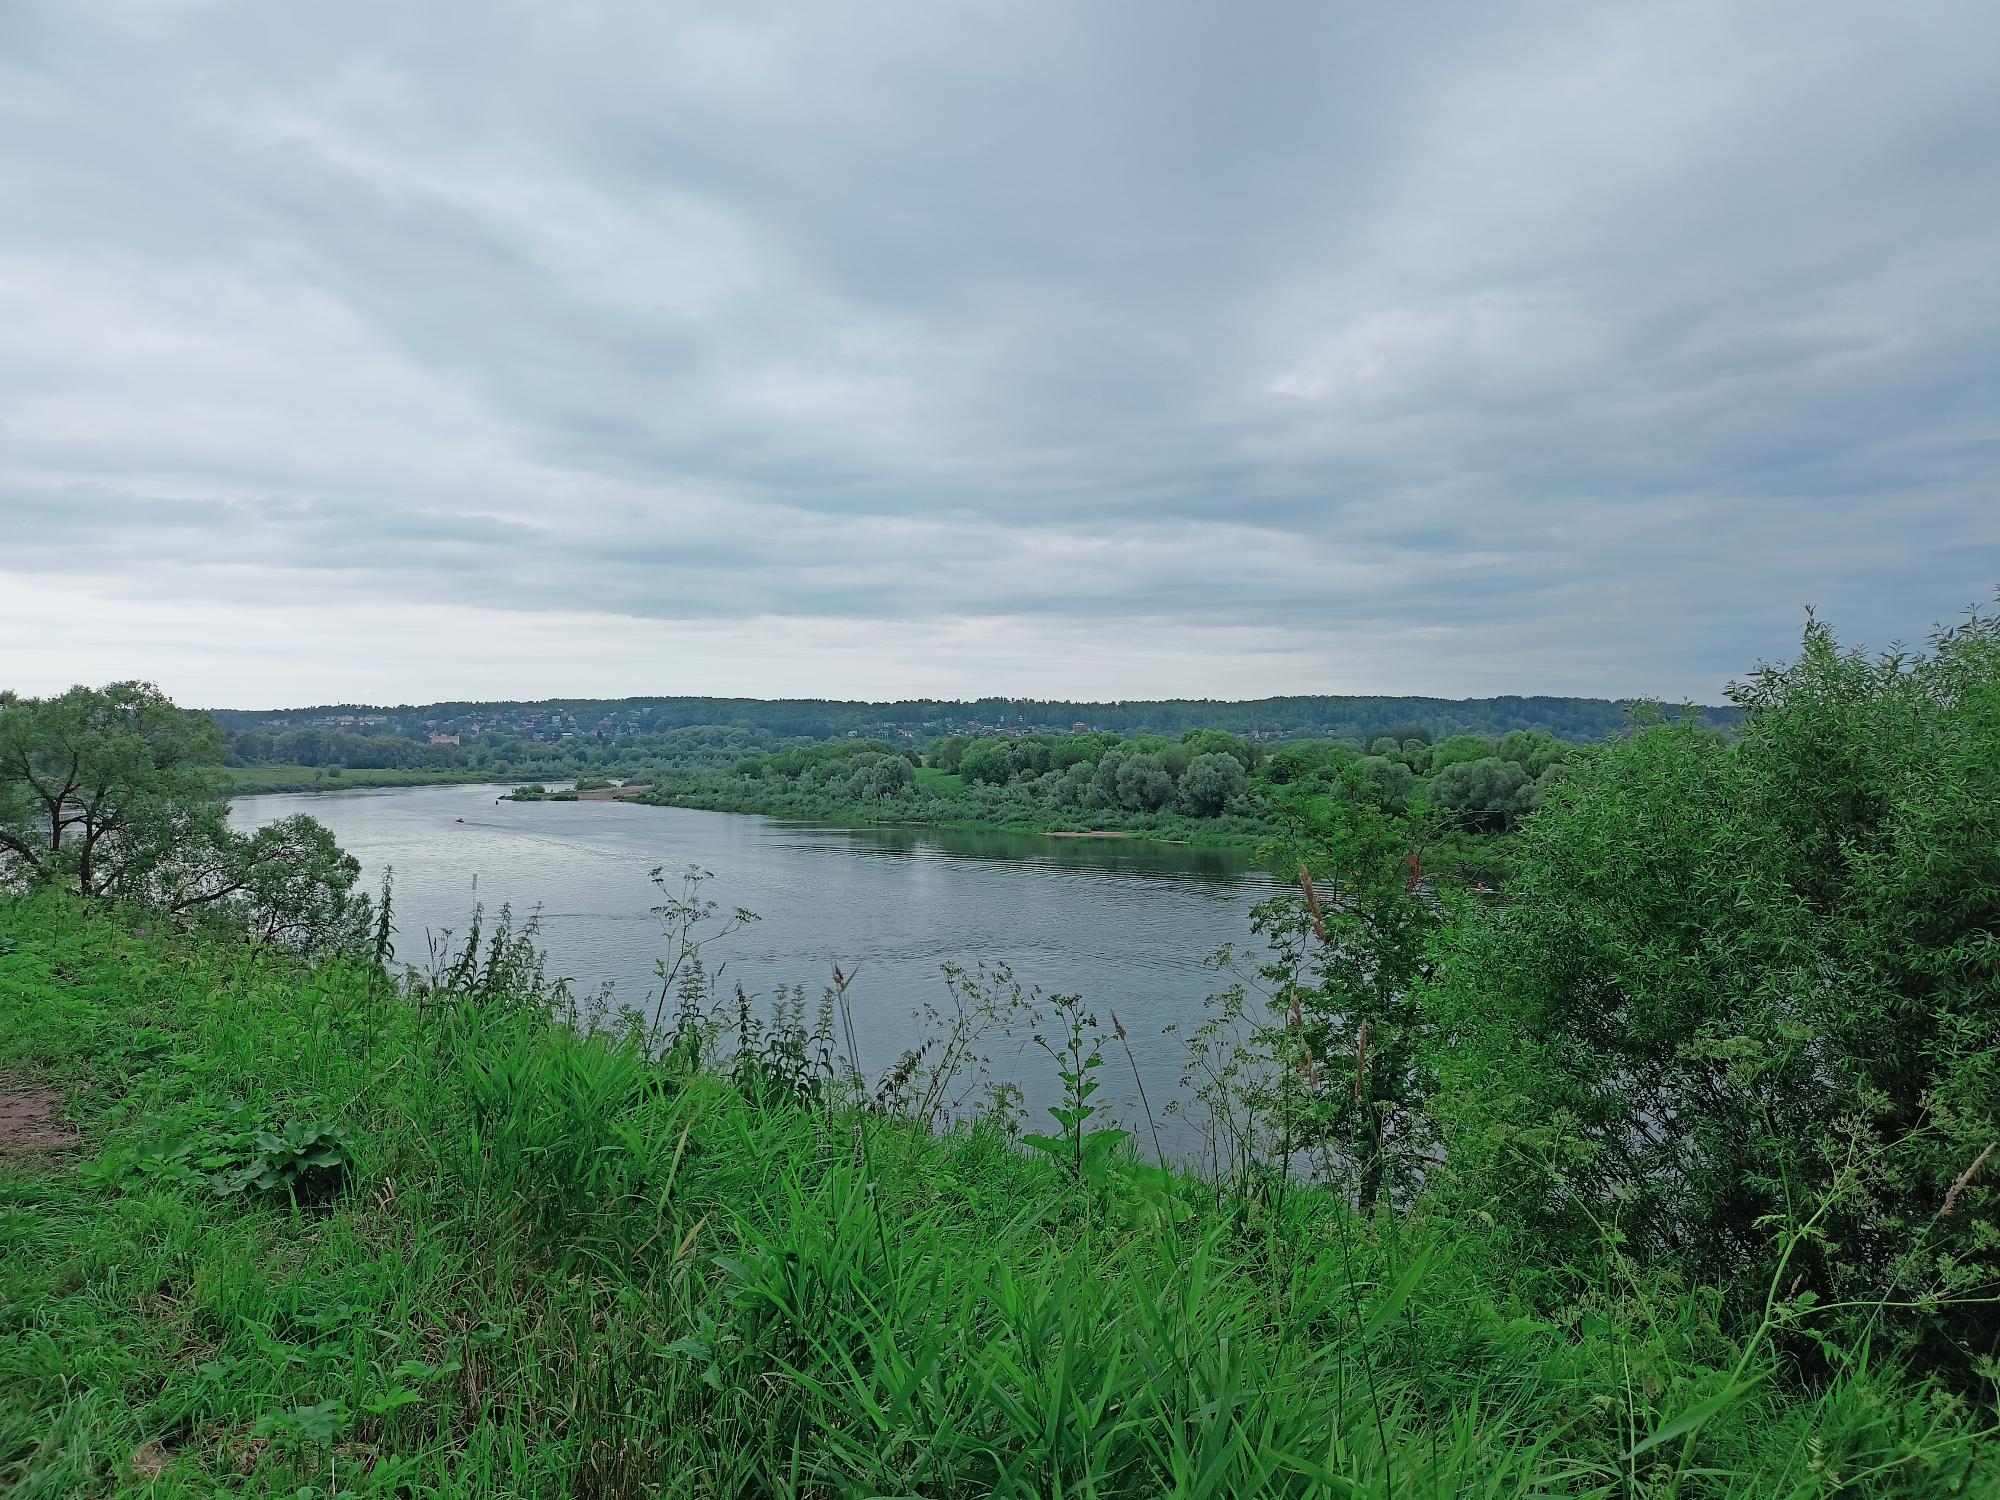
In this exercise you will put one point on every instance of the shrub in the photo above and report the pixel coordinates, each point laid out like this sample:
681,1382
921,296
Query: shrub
1736,985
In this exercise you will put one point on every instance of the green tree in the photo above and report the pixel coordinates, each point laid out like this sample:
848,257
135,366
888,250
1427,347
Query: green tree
1103,790
878,776
1087,747
1351,948
1143,783
1215,742
1736,986
1068,788
1488,795
987,761
288,882
1460,747
1387,783
1029,757
1298,761
1533,751
1210,783
947,753
113,793
94,784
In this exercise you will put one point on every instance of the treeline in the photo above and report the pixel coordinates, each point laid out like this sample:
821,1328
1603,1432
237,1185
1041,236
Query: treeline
332,747
690,737
1324,716
1144,783
681,751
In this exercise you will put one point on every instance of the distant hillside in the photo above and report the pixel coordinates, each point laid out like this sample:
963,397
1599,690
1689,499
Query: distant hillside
1331,717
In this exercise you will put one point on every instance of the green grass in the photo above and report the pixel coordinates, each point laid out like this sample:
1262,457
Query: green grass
554,1266
938,780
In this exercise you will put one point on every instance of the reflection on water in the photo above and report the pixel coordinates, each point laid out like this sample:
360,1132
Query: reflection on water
1058,853
1125,923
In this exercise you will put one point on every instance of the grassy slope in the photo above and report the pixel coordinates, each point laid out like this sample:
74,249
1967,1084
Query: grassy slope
562,1270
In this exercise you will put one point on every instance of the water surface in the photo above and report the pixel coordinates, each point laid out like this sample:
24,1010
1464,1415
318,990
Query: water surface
1125,923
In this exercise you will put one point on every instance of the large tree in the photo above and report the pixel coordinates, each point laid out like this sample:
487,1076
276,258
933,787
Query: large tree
1487,794
1210,783
97,785
115,793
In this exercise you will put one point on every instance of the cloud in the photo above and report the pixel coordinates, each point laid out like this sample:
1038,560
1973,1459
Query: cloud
979,347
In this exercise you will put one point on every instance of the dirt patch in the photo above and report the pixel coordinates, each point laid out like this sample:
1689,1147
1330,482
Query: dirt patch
31,1123
612,793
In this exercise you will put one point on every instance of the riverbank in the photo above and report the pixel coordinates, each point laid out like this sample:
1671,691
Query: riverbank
535,791
287,1227
924,810
255,780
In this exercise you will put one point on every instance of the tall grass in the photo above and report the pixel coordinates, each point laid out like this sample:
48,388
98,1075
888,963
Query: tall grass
567,1263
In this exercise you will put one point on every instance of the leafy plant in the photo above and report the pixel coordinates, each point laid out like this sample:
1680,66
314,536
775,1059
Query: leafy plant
1078,1052
306,1161
404,1385
320,1423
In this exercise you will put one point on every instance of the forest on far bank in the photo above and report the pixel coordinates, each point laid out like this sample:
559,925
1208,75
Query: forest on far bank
490,735
1002,762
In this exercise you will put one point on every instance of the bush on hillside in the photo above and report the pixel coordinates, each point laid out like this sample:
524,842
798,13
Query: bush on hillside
1745,997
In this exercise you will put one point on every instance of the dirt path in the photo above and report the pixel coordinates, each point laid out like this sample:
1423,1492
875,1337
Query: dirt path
31,1123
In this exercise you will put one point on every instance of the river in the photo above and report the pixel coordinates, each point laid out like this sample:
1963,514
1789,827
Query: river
1124,923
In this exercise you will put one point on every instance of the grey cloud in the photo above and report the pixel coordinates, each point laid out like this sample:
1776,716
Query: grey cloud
1594,343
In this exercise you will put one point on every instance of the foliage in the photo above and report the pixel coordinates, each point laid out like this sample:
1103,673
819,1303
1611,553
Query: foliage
1210,783
1206,786
369,735
303,1161
115,793
1730,983
1664,1172
98,788
1317,1048
659,740
1488,793
1078,1052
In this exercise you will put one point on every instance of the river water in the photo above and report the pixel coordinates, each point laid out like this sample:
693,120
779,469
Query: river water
1124,923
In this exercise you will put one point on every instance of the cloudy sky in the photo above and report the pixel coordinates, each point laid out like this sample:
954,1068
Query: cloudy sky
395,352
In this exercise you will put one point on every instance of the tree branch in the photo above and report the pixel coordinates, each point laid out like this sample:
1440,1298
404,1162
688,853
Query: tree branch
21,847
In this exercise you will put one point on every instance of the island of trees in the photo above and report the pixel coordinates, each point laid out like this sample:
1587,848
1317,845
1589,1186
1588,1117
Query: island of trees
1205,785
